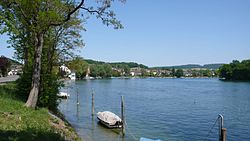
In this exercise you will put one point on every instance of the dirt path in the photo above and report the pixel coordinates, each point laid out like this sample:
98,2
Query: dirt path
8,78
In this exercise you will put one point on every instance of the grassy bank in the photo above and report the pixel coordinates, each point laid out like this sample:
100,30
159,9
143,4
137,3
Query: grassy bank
20,123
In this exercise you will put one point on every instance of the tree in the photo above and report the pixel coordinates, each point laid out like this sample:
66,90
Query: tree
4,65
79,66
37,17
225,71
236,70
179,73
108,70
126,70
94,70
173,72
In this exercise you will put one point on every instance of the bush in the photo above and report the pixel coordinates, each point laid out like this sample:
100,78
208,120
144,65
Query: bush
48,92
24,85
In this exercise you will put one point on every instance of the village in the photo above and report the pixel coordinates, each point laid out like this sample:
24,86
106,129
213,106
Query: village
10,67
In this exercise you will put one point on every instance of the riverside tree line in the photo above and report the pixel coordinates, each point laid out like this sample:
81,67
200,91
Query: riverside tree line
43,33
101,69
236,70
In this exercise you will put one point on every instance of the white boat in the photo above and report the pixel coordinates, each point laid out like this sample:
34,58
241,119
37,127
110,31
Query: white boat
63,95
72,76
88,78
109,119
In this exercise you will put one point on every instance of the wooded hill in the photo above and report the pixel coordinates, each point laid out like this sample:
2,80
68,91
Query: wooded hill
133,65
190,66
117,64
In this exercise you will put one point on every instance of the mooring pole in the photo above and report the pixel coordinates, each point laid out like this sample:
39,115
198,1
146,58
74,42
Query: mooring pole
222,131
77,103
123,116
93,108
77,96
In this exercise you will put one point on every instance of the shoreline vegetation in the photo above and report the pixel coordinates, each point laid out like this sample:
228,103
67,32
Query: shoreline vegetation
235,71
18,122
85,68
91,69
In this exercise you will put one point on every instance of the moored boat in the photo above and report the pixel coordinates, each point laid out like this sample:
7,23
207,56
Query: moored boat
109,119
63,95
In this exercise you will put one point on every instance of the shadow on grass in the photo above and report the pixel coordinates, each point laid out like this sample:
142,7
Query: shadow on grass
29,135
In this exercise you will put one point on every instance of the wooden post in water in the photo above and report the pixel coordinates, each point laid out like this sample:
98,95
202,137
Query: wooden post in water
123,116
93,108
77,96
223,134
222,131
77,103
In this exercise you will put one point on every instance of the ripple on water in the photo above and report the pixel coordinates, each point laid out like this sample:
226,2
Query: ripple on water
166,109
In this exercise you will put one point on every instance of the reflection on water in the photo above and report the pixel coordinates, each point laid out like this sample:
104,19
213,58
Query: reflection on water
166,109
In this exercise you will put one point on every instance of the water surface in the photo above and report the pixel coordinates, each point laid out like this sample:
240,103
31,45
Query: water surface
161,108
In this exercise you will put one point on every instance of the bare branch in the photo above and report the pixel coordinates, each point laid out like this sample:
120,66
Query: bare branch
69,15
91,11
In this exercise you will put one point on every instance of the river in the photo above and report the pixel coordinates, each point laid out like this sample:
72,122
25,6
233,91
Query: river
172,109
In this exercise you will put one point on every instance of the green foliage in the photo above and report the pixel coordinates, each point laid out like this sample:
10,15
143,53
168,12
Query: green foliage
24,84
94,70
173,72
49,89
104,70
179,73
89,61
206,73
236,70
118,64
79,66
116,73
48,31
8,91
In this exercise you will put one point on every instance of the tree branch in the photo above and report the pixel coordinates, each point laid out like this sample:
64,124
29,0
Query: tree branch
69,15
91,11
22,12
99,13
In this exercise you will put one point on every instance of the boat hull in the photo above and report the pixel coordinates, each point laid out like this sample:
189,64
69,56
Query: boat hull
108,125
109,119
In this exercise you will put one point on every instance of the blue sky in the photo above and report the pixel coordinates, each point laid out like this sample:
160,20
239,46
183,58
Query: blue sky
170,32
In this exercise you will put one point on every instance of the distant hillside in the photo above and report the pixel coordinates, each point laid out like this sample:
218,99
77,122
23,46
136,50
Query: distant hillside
190,66
115,64
213,66
89,61
129,64
133,64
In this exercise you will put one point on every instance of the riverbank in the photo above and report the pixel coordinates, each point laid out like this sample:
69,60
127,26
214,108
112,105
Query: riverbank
20,123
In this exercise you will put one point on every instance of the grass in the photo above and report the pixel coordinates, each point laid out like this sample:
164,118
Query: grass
19,123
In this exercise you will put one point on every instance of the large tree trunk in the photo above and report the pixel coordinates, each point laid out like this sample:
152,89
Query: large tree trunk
33,96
